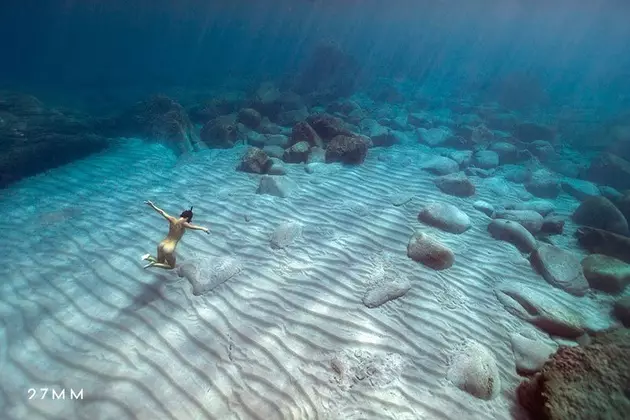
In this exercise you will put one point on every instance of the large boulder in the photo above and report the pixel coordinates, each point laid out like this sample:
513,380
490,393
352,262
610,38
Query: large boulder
255,161
600,241
346,149
457,184
219,133
445,216
599,212
610,170
302,131
328,126
157,118
560,268
34,138
606,273
582,383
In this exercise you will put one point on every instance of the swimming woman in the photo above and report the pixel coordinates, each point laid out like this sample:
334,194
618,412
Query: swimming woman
166,249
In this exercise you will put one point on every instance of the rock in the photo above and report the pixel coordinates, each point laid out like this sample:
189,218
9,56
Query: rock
543,310
473,369
317,155
601,213
384,137
606,273
543,207
621,310
582,382
531,220
428,251
158,118
249,117
553,225
515,173
346,149
528,132
327,126
440,165
433,136
481,173
560,268
542,149
279,140
220,133
274,151
484,207
514,233
455,184
462,157
622,202
255,161
278,186
610,170
277,168
543,184
486,159
566,167
507,152
291,117
600,241
611,194
385,292
445,216
579,189
302,131
297,153
419,120
530,355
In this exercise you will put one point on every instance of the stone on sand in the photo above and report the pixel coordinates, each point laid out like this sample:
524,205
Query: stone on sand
385,292
580,189
426,250
600,241
440,165
560,268
543,310
514,233
543,184
456,184
486,159
473,369
445,216
484,207
606,273
530,355
531,220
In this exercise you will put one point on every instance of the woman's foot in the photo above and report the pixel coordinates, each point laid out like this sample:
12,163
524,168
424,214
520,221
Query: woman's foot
151,264
148,257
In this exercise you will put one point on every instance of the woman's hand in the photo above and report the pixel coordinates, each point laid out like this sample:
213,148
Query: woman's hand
206,230
149,203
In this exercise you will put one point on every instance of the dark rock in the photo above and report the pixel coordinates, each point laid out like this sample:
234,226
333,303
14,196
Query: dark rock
255,161
440,165
203,112
327,126
419,120
346,149
302,131
507,152
455,184
599,212
580,189
553,225
219,133
542,149
157,118
249,117
428,251
621,310
622,202
582,383
598,241
298,153
606,273
434,136
528,132
610,170
486,159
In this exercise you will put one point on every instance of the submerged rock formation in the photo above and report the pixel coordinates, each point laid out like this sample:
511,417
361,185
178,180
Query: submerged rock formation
583,383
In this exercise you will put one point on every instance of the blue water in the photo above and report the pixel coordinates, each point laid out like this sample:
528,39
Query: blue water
315,138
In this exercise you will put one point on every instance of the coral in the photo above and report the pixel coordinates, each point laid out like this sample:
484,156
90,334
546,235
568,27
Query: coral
583,383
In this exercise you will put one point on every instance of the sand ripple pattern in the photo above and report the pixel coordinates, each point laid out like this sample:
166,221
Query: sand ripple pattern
283,335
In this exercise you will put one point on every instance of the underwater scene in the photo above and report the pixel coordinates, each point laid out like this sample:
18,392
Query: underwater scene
315,210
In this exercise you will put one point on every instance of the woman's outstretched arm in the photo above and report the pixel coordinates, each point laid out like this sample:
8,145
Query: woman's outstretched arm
159,210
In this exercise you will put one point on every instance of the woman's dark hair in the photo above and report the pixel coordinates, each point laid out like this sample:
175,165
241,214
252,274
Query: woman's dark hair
187,214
